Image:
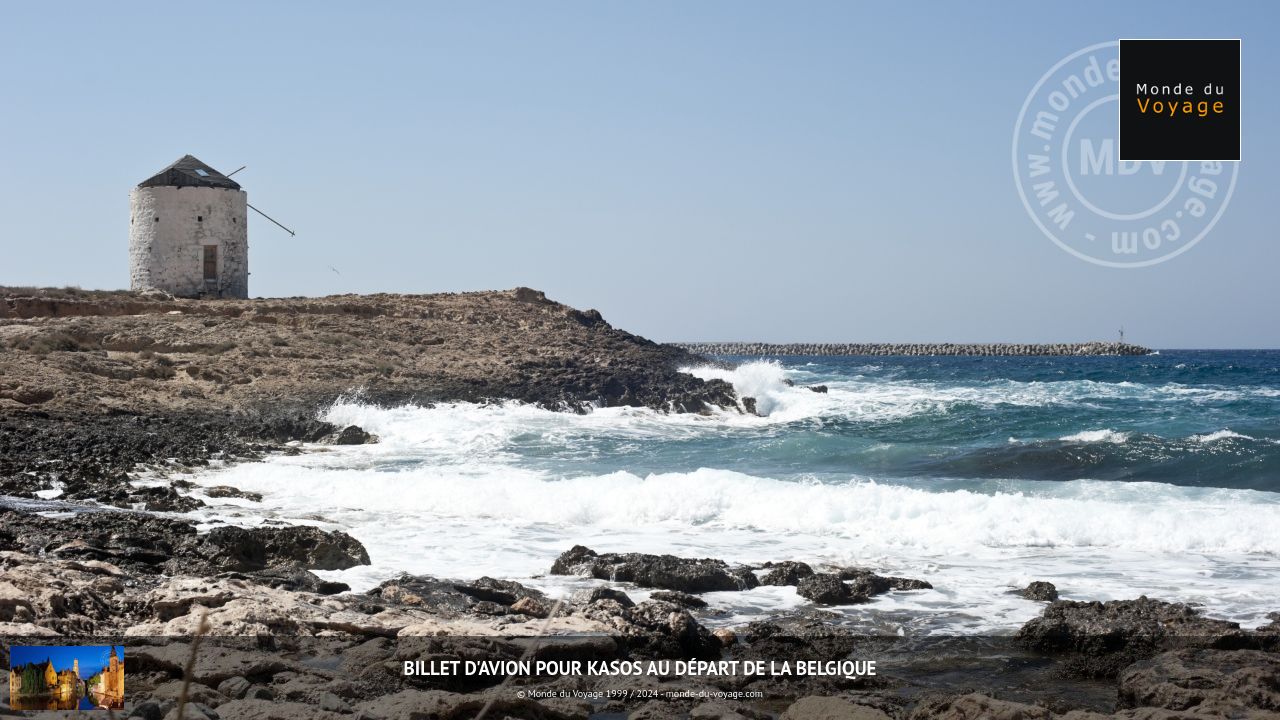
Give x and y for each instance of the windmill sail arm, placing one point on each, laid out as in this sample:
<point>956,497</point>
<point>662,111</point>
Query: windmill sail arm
<point>282,227</point>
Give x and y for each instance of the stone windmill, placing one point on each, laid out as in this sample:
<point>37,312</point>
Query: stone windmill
<point>189,232</point>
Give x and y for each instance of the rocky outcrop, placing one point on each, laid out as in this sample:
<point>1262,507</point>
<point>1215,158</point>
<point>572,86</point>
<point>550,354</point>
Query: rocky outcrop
<point>485,596</point>
<point>655,629</point>
<point>864,582</point>
<point>819,349</point>
<point>146,543</point>
<point>125,353</point>
<point>1228,682</point>
<point>827,589</point>
<point>1040,590</point>
<point>310,548</point>
<point>1102,638</point>
<point>847,586</point>
<point>785,573</point>
<point>352,435</point>
<point>655,571</point>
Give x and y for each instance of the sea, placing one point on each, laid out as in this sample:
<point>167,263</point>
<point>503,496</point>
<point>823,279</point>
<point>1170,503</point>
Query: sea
<point>1111,477</point>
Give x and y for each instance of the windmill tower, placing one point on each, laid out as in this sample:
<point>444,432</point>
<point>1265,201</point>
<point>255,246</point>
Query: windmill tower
<point>188,233</point>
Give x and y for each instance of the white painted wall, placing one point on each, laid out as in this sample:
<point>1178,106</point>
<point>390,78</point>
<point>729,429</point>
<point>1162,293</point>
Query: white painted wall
<point>169,227</point>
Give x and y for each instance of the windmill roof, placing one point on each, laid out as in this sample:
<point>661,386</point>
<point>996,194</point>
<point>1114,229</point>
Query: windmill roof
<point>188,171</point>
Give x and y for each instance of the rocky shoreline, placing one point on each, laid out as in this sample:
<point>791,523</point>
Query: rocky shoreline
<point>97,387</point>
<point>274,645</point>
<point>978,349</point>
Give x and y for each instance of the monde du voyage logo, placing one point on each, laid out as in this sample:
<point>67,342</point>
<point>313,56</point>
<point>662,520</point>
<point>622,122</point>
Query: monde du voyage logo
<point>1124,152</point>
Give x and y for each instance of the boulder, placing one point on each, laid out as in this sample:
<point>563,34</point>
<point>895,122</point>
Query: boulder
<point>353,435</point>
<point>304,546</point>
<point>234,687</point>
<point>863,582</point>
<point>486,595</point>
<point>655,629</point>
<point>586,597</point>
<point>1104,637</point>
<point>529,606</point>
<point>827,589</point>
<point>685,600</point>
<point>786,573</point>
<point>1040,590</point>
<point>666,572</point>
<point>226,491</point>
<point>1230,683</point>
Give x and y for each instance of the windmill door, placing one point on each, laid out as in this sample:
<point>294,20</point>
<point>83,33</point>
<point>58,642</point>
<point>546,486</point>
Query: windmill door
<point>211,267</point>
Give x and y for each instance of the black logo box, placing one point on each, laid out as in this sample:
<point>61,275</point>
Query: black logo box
<point>1185,67</point>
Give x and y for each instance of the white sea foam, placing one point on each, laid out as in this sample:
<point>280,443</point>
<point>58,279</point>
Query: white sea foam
<point>869,398</point>
<point>457,491</point>
<point>1219,435</point>
<point>462,490</point>
<point>1096,436</point>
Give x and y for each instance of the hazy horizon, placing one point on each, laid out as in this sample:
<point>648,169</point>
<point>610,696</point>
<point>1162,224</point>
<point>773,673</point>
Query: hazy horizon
<point>827,172</point>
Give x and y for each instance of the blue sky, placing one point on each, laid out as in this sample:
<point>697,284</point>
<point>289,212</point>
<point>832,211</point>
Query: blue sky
<point>93,658</point>
<point>715,170</point>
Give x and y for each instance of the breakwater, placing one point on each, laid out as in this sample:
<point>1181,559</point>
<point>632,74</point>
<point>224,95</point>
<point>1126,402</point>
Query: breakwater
<point>992,349</point>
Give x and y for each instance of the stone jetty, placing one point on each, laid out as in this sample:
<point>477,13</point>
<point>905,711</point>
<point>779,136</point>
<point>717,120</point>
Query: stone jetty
<point>755,348</point>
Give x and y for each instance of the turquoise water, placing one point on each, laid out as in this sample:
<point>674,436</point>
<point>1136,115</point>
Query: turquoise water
<point>1111,477</point>
<point>1193,418</point>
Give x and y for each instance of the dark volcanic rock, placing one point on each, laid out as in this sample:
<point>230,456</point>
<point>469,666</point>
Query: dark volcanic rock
<point>865,582</point>
<point>1226,683</point>
<point>293,579</point>
<point>1040,590</point>
<point>1273,626</point>
<point>247,549</point>
<point>353,435</point>
<point>827,589</point>
<point>503,592</point>
<point>852,585</point>
<point>160,499</point>
<point>656,629</point>
<point>485,596</point>
<point>226,491</point>
<point>656,571</point>
<point>684,600</point>
<point>785,573</point>
<point>134,541</point>
<point>1105,637</point>
<point>150,544</point>
<point>808,635</point>
<point>586,597</point>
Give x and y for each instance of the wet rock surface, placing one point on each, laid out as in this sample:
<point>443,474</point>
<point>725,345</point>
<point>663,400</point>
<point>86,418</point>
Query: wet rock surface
<point>1102,638</point>
<point>1040,590</point>
<point>279,652</point>
<point>667,572</point>
<point>848,586</point>
<point>98,387</point>
<point>152,544</point>
<point>785,573</point>
<point>1230,682</point>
